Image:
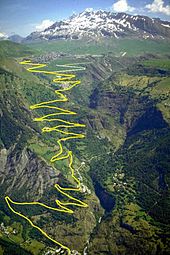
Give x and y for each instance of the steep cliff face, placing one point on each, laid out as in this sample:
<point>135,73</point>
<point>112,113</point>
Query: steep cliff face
<point>24,176</point>
<point>128,108</point>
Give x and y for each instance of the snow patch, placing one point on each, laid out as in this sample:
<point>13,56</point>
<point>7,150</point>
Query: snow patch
<point>166,25</point>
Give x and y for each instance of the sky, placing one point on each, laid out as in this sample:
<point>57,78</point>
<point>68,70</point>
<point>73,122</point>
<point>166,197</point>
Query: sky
<point>25,16</point>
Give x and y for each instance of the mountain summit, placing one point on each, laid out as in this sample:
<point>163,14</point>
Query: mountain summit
<point>104,24</point>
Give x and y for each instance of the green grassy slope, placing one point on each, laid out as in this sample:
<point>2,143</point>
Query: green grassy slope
<point>11,49</point>
<point>113,46</point>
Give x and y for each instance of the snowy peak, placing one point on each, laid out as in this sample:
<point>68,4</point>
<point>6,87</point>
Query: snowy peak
<point>104,24</point>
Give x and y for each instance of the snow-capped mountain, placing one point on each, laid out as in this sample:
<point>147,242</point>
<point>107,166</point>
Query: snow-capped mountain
<point>104,24</point>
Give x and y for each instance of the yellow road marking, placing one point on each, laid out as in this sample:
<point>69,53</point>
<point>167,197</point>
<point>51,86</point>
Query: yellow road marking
<point>62,78</point>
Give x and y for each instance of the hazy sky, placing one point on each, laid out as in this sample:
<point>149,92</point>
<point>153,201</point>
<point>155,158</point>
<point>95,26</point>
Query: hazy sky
<point>24,16</point>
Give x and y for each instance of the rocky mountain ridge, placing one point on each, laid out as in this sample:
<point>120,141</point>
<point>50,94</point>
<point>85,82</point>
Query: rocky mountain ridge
<point>98,24</point>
